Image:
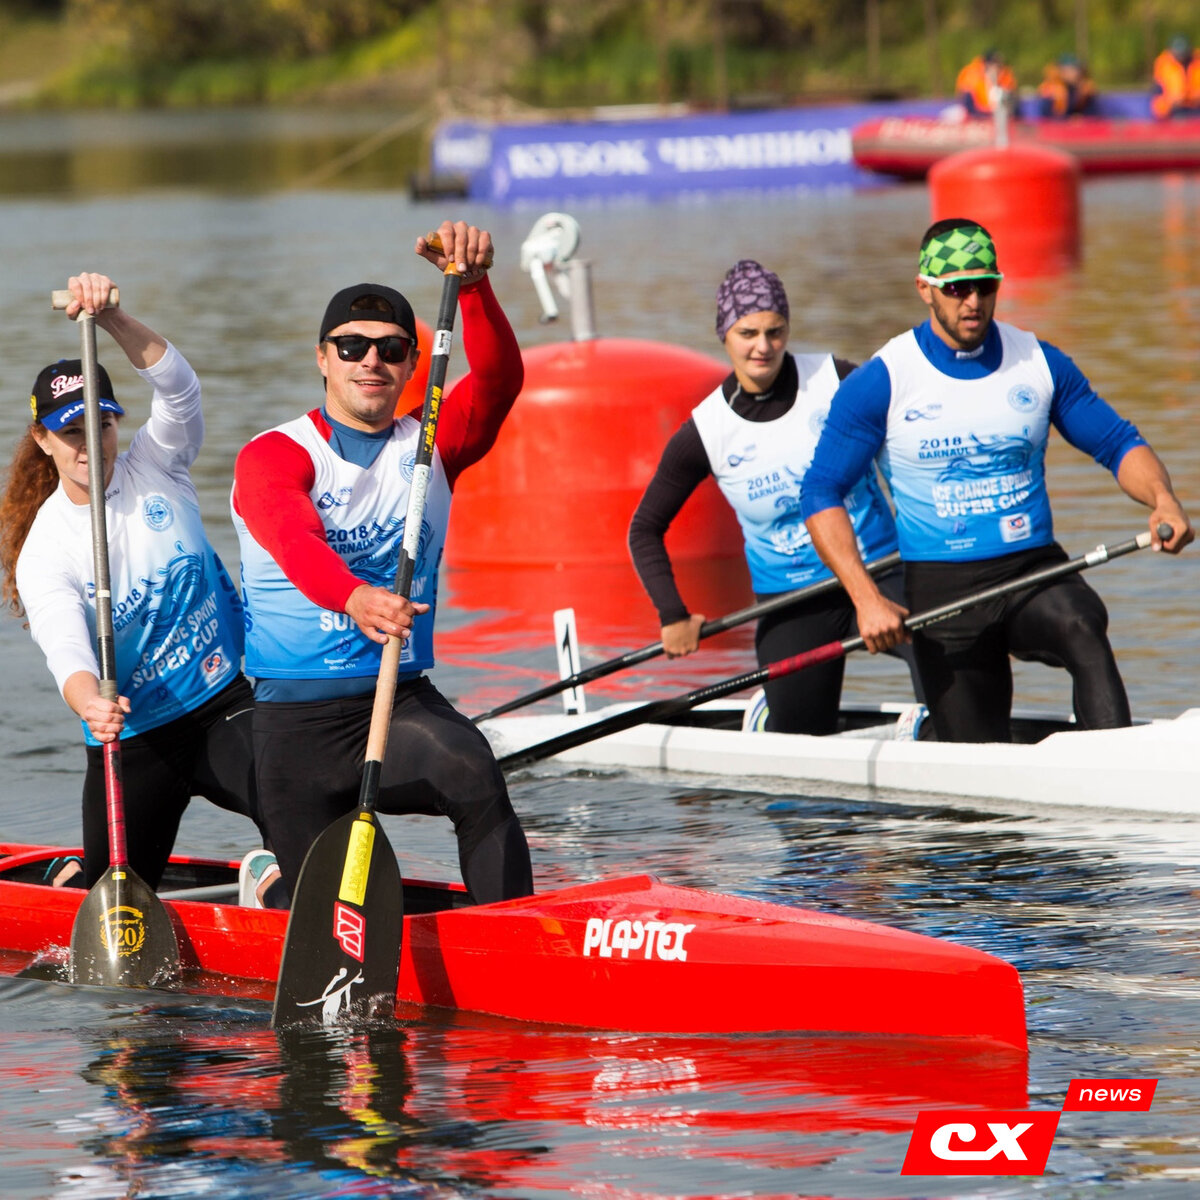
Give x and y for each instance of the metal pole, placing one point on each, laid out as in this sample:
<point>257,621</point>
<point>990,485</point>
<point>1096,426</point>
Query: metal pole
<point>583,317</point>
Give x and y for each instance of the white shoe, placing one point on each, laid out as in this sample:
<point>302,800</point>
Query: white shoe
<point>755,718</point>
<point>908,723</point>
<point>256,866</point>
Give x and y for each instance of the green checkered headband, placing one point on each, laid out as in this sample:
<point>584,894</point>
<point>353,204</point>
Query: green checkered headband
<point>955,252</point>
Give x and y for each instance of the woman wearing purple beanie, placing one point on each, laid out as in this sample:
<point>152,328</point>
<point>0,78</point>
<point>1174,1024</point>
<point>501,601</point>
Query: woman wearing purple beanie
<point>756,434</point>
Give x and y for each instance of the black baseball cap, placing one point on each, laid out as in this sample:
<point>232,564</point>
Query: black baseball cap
<point>58,393</point>
<point>368,302</point>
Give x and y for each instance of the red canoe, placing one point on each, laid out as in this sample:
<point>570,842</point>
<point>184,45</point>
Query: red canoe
<point>909,146</point>
<point>629,954</point>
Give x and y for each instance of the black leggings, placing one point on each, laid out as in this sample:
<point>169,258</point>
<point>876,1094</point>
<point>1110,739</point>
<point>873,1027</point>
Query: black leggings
<point>207,752</point>
<point>808,701</point>
<point>964,661</point>
<point>310,759</point>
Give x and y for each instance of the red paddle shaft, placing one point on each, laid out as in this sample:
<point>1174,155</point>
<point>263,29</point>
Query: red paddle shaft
<point>658,710</point>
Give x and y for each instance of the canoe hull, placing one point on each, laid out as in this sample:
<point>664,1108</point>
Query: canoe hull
<point>631,954</point>
<point>1151,767</point>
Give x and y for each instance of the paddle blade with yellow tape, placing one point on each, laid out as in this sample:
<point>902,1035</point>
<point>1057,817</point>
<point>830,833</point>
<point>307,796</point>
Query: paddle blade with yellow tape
<point>340,958</point>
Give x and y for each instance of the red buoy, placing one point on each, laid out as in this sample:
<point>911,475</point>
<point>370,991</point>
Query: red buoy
<point>413,396</point>
<point>576,453</point>
<point>1026,196</point>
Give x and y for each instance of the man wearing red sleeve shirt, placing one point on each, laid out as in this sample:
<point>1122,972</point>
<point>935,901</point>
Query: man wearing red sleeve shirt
<point>319,506</point>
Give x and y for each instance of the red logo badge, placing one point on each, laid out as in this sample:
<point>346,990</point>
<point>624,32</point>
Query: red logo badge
<point>980,1142</point>
<point>1110,1095</point>
<point>349,929</point>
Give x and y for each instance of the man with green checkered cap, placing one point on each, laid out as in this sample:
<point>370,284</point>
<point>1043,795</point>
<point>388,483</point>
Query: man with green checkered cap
<point>958,412</point>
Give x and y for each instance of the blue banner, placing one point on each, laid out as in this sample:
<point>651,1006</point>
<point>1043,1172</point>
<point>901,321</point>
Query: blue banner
<point>795,149</point>
<point>778,149</point>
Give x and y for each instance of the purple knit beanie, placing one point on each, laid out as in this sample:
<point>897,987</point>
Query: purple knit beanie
<point>748,288</point>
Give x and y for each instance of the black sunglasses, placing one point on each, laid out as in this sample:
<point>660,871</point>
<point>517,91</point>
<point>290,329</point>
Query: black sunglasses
<point>960,289</point>
<point>353,347</point>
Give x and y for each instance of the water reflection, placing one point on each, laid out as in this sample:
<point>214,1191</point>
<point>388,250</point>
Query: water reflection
<point>187,1102</point>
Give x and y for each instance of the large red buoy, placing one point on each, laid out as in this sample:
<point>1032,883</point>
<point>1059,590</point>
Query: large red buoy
<point>1026,196</point>
<point>413,396</point>
<point>576,453</point>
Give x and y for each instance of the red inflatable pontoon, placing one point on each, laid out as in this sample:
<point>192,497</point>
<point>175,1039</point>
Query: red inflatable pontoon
<point>909,146</point>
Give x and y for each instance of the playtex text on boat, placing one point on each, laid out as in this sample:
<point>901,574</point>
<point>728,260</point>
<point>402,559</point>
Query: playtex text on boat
<point>658,156</point>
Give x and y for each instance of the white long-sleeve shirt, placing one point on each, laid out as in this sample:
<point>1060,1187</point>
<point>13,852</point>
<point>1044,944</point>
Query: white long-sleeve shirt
<point>176,614</point>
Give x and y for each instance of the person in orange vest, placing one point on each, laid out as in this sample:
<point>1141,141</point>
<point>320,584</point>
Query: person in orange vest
<point>1176,90</point>
<point>1066,89</point>
<point>977,80</point>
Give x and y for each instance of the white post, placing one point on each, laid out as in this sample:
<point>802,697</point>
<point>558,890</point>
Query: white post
<point>566,646</point>
<point>583,315</point>
<point>999,99</point>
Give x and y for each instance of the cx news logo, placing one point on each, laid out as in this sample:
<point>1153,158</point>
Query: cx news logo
<point>1007,1141</point>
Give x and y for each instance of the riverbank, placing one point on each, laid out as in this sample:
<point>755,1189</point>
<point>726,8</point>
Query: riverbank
<point>482,60</point>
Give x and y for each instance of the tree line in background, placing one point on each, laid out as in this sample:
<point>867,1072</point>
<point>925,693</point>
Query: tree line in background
<point>718,53</point>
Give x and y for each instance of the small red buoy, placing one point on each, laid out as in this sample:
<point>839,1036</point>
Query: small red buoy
<point>1026,196</point>
<point>576,453</point>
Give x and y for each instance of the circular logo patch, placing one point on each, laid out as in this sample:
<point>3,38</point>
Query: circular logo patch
<point>158,513</point>
<point>1023,398</point>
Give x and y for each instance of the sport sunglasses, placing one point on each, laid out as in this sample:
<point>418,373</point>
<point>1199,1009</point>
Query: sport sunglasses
<point>960,289</point>
<point>353,347</point>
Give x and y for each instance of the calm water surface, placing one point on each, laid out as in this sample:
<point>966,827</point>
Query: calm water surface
<point>228,235</point>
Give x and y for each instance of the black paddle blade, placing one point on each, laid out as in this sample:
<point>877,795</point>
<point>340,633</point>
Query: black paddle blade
<point>341,958</point>
<point>123,936</point>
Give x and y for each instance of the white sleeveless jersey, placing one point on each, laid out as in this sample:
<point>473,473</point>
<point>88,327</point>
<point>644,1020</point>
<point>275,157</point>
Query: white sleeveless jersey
<point>965,458</point>
<point>363,510</point>
<point>759,466</point>
<point>176,615</point>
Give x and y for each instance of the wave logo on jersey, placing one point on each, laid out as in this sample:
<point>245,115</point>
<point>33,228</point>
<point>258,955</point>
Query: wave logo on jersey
<point>991,456</point>
<point>158,513</point>
<point>816,421</point>
<point>180,588</point>
<point>1023,398</point>
<point>749,454</point>
<point>928,412</point>
<point>379,567</point>
<point>337,499</point>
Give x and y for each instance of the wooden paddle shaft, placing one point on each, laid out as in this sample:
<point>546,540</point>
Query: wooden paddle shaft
<point>389,665</point>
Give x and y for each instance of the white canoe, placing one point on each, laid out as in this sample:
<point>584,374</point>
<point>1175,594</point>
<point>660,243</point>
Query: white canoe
<point>1152,767</point>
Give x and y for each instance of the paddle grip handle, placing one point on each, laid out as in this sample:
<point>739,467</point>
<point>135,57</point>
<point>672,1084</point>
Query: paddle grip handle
<point>61,297</point>
<point>435,243</point>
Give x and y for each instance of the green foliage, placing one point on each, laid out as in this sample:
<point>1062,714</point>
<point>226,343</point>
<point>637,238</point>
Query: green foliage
<point>570,53</point>
<point>167,32</point>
